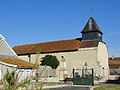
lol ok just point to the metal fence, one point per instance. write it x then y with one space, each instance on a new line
83 76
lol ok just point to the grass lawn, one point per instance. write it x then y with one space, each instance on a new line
115 87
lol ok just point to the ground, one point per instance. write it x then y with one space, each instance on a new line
107 87
69 86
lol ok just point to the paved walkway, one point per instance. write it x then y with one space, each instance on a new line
70 88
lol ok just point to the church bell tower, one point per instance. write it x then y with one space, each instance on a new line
91 31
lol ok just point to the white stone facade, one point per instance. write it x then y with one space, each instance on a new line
4 67
5 49
95 57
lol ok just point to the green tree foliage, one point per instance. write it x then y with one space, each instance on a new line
51 61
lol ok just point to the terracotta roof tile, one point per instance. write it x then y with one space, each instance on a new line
89 43
16 61
62 45
55 46
114 64
114 58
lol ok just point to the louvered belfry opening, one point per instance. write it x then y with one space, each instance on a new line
91 31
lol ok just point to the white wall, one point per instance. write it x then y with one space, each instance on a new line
73 59
5 49
76 59
24 57
103 59
4 68
25 73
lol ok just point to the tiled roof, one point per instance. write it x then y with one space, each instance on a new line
89 43
16 61
55 46
114 64
114 58
62 45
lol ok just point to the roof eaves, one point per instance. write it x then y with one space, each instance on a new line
7 64
20 67
49 52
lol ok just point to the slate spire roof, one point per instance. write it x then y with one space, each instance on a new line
91 26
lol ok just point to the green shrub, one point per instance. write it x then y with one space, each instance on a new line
51 61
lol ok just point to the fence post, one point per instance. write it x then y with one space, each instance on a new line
37 77
92 77
82 72
73 72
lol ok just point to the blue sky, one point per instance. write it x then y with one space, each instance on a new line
34 21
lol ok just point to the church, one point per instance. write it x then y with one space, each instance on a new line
89 50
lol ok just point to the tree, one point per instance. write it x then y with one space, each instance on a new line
51 61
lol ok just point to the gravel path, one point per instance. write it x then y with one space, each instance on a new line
69 88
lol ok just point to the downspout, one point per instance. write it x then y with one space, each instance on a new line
29 56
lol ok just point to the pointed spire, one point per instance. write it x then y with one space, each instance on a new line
91 26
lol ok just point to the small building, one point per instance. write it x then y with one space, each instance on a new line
8 64
9 61
86 52
114 65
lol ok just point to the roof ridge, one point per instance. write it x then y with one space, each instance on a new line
93 40
46 42
90 40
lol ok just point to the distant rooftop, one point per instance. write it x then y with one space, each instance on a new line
114 62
